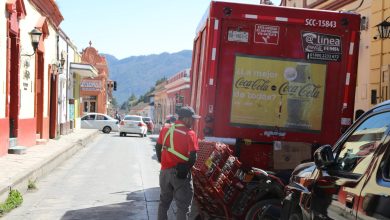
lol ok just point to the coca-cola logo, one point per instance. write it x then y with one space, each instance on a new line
304 90
258 84
308 90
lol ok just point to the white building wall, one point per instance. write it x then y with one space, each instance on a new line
62 107
70 58
27 85
3 60
50 59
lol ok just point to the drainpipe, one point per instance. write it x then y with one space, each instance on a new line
67 85
57 85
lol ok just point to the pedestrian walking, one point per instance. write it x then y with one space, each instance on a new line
176 151
117 116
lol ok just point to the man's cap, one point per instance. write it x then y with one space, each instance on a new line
187 112
172 118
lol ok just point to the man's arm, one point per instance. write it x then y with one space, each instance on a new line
191 159
158 151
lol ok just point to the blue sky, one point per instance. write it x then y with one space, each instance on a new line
126 28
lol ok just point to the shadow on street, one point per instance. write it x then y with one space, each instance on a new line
140 204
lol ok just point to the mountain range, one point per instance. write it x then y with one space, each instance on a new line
137 74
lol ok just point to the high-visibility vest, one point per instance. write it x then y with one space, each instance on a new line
171 148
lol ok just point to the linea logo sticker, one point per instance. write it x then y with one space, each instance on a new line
319 46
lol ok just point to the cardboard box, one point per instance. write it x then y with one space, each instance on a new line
287 155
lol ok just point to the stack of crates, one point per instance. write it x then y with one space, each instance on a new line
217 179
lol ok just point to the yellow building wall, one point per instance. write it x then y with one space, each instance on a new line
380 52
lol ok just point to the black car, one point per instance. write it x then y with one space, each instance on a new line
350 180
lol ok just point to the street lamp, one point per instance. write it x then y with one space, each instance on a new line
62 61
383 29
35 35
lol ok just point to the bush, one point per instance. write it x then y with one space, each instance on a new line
14 200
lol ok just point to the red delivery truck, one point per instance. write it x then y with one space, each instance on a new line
274 82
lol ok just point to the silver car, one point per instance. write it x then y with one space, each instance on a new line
99 121
133 124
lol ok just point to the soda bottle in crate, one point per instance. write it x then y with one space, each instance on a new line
224 183
218 183
228 164
229 191
210 170
205 149
236 165
239 174
215 175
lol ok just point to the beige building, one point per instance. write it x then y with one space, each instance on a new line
141 109
373 80
161 104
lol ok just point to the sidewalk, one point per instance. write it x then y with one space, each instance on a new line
39 160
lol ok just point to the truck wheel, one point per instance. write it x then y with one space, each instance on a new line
257 210
106 130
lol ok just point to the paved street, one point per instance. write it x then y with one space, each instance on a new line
112 178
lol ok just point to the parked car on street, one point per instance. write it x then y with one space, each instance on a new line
149 123
99 121
350 180
132 124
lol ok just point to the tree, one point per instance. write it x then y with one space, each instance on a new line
159 81
124 106
132 98
114 103
132 101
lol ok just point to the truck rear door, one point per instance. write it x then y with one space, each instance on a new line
266 82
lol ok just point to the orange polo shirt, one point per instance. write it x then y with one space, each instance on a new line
185 141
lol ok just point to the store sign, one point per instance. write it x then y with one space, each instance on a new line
90 85
321 46
271 93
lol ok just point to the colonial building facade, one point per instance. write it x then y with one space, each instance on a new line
170 95
38 99
94 90
178 90
25 73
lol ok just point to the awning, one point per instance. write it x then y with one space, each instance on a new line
83 70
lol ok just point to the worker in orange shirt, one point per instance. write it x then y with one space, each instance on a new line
176 150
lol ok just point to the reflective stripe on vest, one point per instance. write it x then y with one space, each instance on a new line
171 148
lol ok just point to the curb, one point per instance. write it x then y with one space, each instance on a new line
47 165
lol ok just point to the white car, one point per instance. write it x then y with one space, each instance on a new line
99 121
132 124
